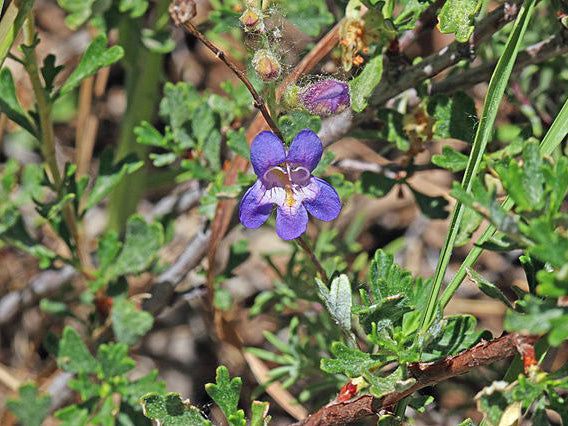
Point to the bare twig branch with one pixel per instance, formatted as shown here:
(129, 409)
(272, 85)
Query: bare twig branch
(41, 286)
(426, 374)
(396, 83)
(540, 52)
(164, 288)
(426, 20)
(181, 12)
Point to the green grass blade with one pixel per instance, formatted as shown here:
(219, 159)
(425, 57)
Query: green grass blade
(11, 24)
(495, 91)
(555, 135)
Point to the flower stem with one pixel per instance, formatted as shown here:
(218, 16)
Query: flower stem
(181, 17)
(47, 138)
(302, 243)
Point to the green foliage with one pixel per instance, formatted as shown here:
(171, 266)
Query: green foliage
(309, 16)
(9, 103)
(226, 393)
(455, 117)
(362, 86)
(450, 159)
(376, 184)
(128, 322)
(457, 16)
(109, 176)
(73, 355)
(291, 123)
(337, 300)
(30, 407)
(97, 56)
(170, 410)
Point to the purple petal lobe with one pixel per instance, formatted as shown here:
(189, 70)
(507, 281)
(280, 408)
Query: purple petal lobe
(255, 207)
(291, 222)
(325, 205)
(305, 150)
(266, 151)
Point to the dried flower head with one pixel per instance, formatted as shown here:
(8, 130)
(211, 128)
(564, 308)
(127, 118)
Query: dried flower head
(252, 21)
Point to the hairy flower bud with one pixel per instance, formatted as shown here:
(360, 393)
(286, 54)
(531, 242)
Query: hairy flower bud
(252, 20)
(290, 97)
(266, 65)
(326, 97)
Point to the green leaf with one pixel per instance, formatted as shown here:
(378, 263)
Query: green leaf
(259, 413)
(458, 334)
(337, 300)
(226, 393)
(129, 323)
(177, 106)
(49, 71)
(488, 288)
(73, 356)
(114, 360)
(79, 11)
(135, 8)
(432, 207)
(135, 389)
(13, 230)
(470, 223)
(536, 316)
(349, 361)
(524, 184)
(391, 128)
(376, 184)
(30, 408)
(9, 103)
(309, 16)
(237, 141)
(141, 245)
(109, 176)
(146, 134)
(96, 56)
(455, 117)
(364, 84)
(170, 410)
(291, 124)
(72, 415)
(450, 159)
(386, 278)
(457, 17)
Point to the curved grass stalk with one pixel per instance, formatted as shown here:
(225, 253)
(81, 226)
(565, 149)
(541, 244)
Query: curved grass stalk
(495, 91)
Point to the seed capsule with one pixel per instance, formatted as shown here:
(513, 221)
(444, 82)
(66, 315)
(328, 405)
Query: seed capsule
(266, 65)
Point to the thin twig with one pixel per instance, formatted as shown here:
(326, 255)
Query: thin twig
(181, 12)
(542, 51)
(398, 82)
(425, 374)
(426, 20)
(305, 246)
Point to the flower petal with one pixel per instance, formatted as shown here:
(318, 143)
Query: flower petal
(291, 222)
(266, 151)
(305, 150)
(325, 204)
(255, 207)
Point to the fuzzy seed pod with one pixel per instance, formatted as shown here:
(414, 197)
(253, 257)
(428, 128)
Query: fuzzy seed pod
(326, 97)
(266, 65)
(290, 97)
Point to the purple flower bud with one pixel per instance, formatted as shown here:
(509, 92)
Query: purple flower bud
(252, 20)
(326, 97)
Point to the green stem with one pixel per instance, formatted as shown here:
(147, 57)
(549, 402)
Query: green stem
(495, 91)
(46, 135)
(143, 79)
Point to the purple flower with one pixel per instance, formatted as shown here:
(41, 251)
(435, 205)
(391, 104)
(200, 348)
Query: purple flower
(326, 97)
(285, 179)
